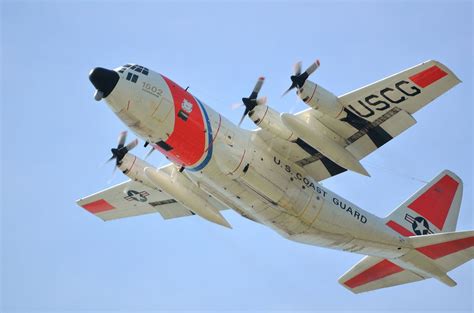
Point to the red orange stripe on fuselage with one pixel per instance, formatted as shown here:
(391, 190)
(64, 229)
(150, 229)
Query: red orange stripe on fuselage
(188, 139)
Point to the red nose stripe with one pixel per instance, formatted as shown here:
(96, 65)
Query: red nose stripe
(380, 270)
(188, 139)
(434, 204)
(428, 76)
(98, 206)
(440, 250)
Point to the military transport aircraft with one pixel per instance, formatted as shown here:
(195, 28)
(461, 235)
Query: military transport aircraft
(270, 175)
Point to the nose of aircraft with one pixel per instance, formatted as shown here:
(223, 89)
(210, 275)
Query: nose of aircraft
(104, 81)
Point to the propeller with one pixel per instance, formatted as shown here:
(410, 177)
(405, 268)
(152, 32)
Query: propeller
(119, 153)
(298, 79)
(251, 102)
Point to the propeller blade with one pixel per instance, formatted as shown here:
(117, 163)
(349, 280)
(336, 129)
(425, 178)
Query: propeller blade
(132, 145)
(112, 176)
(313, 67)
(289, 89)
(297, 68)
(242, 118)
(121, 139)
(298, 79)
(259, 84)
(251, 102)
(119, 153)
(257, 87)
(237, 105)
(111, 158)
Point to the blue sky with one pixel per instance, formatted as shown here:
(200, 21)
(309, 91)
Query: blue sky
(56, 256)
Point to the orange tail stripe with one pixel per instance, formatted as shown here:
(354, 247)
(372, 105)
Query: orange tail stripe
(380, 270)
(434, 204)
(399, 229)
(440, 250)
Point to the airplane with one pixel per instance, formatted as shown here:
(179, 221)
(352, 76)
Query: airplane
(272, 175)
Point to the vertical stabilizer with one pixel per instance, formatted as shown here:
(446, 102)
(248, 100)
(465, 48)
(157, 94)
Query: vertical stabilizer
(432, 209)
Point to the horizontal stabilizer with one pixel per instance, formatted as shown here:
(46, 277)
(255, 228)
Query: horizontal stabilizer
(373, 273)
(440, 253)
(449, 250)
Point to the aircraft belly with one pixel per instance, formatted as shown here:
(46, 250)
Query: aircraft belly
(263, 186)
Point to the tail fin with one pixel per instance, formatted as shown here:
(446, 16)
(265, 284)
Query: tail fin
(432, 209)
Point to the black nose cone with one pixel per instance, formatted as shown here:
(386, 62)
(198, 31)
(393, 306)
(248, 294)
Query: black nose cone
(104, 80)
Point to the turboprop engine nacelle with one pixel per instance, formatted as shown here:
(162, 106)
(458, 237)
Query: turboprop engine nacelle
(320, 99)
(267, 118)
(315, 135)
(179, 187)
(134, 167)
(188, 194)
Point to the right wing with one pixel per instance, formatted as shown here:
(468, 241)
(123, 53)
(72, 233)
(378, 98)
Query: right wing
(133, 198)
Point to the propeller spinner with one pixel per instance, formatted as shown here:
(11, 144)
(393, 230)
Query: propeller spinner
(298, 79)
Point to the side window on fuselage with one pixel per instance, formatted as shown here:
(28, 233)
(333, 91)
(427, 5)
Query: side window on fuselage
(132, 77)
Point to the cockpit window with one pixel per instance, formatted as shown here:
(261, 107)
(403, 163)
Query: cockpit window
(135, 67)
(124, 67)
(132, 77)
(140, 69)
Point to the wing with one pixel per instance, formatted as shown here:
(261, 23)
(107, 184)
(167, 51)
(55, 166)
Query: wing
(373, 273)
(372, 116)
(133, 198)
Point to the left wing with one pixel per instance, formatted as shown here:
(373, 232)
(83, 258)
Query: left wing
(132, 198)
(371, 116)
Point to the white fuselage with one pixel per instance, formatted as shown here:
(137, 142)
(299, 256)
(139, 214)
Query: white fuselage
(244, 173)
